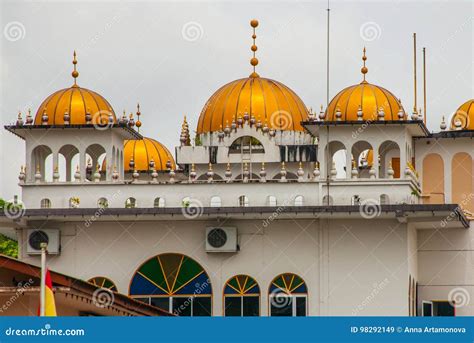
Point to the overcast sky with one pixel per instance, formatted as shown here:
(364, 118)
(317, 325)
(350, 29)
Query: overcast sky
(171, 56)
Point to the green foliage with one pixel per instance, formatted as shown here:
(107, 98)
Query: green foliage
(8, 246)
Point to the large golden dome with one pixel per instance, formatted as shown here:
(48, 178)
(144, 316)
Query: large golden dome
(365, 97)
(465, 114)
(268, 100)
(77, 102)
(143, 151)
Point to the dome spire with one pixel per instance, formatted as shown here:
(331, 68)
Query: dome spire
(74, 73)
(254, 60)
(364, 70)
(138, 123)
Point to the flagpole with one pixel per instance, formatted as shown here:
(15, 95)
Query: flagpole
(43, 278)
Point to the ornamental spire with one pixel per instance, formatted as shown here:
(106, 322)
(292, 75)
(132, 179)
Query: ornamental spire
(364, 70)
(74, 73)
(254, 60)
(138, 123)
(185, 137)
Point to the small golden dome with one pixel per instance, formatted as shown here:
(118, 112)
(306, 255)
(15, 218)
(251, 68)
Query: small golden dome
(465, 114)
(365, 97)
(369, 98)
(143, 151)
(276, 104)
(76, 101)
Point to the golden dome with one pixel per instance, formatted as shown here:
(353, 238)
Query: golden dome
(365, 97)
(143, 151)
(465, 114)
(268, 100)
(77, 102)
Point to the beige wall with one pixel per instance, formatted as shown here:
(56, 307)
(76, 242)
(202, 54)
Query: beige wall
(351, 267)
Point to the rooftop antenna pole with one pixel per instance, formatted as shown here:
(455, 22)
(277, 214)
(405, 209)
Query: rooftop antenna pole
(327, 59)
(424, 84)
(327, 108)
(414, 72)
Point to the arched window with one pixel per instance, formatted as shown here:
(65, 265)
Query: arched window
(241, 297)
(74, 202)
(175, 283)
(327, 200)
(159, 202)
(299, 200)
(103, 282)
(272, 200)
(243, 201)
(131, 203)
(45, 203)
(288, 296)
(102, 203)
(216, 201)
(246, 145)
(384, 199)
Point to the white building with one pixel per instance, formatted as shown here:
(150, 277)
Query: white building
(271, 210)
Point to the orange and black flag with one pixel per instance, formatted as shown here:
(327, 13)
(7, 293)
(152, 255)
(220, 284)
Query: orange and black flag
(49, 303)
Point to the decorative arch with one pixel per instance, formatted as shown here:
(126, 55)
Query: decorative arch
(97, 154)
(241, 297)
(299, 200)
(288, 296)
(462, 181)
(131, 203)
(45, 203)
(175, 283)
(389, 152)
(246, 145)
(71, 155)
(216, 201)
(433, 179)
(102, 203)
(38, 162)
(103, 282)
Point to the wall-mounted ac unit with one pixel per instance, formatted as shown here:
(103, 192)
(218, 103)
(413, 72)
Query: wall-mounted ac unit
(221, 239)
(37, 236)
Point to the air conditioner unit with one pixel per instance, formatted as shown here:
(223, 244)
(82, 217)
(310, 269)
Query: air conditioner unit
(37, 236)
(221, 239)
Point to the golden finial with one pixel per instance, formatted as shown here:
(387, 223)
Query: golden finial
(75, 73)
(138, 123)
(364, 69)
(254, 60)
